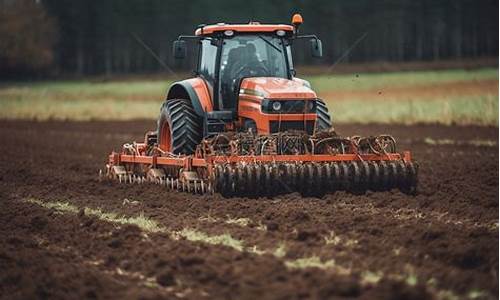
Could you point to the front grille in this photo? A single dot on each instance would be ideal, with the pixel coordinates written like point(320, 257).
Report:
point(292, 125)
point(289, 106)
point(292, 106)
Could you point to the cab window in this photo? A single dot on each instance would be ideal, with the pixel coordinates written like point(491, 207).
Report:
point(207, 60)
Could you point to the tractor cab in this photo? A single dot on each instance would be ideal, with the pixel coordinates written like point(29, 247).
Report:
point(245, 66)
point(245, 56)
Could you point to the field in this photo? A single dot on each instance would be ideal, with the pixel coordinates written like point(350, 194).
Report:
point(65, 234)
point(444, 96)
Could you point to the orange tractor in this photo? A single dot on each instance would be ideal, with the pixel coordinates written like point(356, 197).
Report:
point(245, 125)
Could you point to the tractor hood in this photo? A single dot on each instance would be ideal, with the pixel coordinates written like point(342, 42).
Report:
point(277, 88)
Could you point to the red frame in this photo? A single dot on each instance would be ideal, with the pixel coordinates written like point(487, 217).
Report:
point(188, 162)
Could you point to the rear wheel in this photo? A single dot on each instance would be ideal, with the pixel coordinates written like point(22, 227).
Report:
point(323, 122)
point(179, 128)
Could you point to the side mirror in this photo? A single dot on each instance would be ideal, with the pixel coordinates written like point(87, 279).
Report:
point(316, 48)
point(180, 50)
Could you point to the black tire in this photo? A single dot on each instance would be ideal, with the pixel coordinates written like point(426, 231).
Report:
point(179, 128)
point(324, 121)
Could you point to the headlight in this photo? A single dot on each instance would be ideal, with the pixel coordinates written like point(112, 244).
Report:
point(276, 105)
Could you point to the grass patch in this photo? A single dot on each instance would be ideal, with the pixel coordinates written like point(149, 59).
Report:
point(78, 109)
point(411, 280)
point(335, 240)
point(409, 276)
point(332, 239)
point(198, 236)
point(315, 262)
point(261, 226)
point(58, 206)
point(255, 250)
point(243, 222)
point(67, 89)
point(480, 110)
point(446, 295)
point(209, 219)
point(476, 294)
point(140, 99)
point(477, 143)
point(280, 252)
point(371, 278)
point(140, 221)
point(368, 81)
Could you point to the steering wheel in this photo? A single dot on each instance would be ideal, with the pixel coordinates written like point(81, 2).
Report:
point(250, 71)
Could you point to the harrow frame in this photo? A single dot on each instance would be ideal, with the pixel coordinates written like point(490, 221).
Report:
point(235, 170)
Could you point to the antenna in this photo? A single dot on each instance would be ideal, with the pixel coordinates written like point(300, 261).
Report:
point(140, 41)
point(344, 55)
point(158, 59)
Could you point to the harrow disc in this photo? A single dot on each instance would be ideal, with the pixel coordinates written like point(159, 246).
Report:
point(314, 179)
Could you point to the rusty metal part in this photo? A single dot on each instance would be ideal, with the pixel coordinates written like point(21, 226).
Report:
point(294, 143)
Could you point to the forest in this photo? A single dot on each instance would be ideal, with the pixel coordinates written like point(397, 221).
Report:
point(91, 37)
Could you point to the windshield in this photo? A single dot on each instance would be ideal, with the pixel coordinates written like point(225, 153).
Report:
point(249, 56)
point(246, 51)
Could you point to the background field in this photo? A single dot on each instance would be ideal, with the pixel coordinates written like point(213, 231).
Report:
point(444, 96)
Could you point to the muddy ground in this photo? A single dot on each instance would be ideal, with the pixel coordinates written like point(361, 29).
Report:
point(442, 243)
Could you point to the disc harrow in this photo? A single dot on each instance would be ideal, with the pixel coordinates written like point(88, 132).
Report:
point(253, 166)
point(314, 179)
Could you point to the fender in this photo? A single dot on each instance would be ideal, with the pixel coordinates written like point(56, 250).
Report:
point(195, 90)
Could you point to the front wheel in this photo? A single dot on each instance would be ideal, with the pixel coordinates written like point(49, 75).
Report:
point(179, 128)
point(323, 122)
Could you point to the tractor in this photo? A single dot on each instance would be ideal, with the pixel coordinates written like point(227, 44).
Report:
point(245, 125)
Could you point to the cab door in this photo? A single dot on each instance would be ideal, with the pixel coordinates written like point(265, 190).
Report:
point(207, 66)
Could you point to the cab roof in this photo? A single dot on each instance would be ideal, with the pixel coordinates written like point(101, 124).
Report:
point(250, 27)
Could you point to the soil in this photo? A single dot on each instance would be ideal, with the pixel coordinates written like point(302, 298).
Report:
point(441, 242)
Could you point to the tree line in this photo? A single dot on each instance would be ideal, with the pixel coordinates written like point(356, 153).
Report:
point(86, 37)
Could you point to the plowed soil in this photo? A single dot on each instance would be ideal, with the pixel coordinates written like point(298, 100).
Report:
point(442, 243)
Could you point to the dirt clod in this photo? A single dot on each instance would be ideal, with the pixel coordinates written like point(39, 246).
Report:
point(272, 226)
point(166, 279)
point(38, 222)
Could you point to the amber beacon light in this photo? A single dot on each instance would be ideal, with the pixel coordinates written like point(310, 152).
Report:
point(297, 20)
